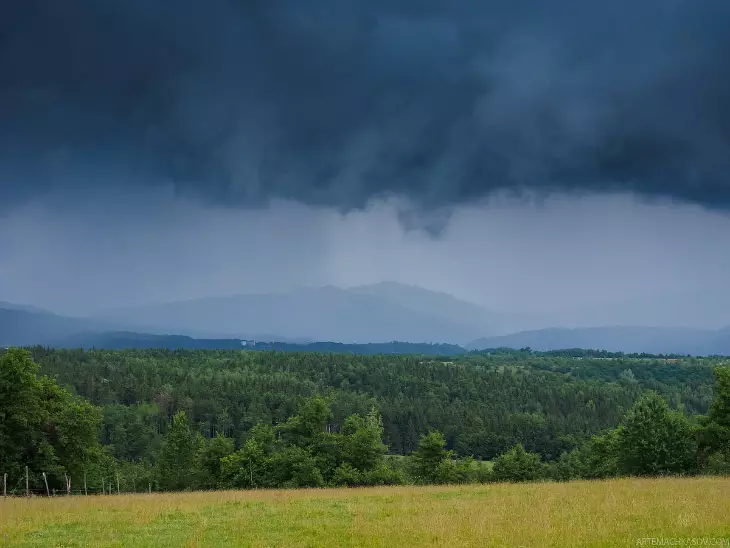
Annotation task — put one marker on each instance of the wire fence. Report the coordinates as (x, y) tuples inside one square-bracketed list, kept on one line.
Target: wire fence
[(111, 487)]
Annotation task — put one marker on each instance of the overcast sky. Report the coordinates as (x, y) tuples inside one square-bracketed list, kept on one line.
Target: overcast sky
[(562, 253), (152, 152)]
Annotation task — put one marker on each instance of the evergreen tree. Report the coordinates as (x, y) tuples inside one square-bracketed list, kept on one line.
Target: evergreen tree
[(176, 459)]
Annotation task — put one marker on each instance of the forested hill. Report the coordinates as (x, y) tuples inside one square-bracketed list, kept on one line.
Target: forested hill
[(395, 347), (483, 404), (679, 340), (121, 340)]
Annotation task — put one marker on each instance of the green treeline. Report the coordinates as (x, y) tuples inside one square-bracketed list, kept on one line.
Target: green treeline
[(241, 419), (482, 404)]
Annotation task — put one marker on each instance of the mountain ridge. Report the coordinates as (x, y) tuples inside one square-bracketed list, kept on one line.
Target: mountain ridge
[(373, 313), (627, 339), (376, 313)]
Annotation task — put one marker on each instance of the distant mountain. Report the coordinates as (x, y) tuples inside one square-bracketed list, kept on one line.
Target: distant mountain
[(21, 327), (616, 339), (120, 340), (470, 316), (25, 325), (28, 326), (377, 313), (24, 307), (707, 308)]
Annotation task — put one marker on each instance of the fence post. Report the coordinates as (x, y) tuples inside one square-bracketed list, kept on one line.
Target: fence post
[(68, 485), (117, 484), (85, 491), (45, 479), (27, 491), (5, 484)]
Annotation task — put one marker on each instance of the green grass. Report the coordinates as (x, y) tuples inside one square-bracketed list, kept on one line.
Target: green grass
[(611, 513)]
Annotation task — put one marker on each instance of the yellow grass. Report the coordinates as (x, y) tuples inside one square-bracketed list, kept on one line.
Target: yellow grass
[(621, 512)]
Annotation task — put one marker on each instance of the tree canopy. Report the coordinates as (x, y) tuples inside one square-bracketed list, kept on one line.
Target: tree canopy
[(175, 420)]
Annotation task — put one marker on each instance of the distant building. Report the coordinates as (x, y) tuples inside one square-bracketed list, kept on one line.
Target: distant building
[(248, 343)]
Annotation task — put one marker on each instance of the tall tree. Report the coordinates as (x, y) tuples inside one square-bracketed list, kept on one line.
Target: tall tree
[(176, 460), (209, 460), (22, 412), (719, 411), (363, 451), (42, 425), (251, 466), (714, 436)]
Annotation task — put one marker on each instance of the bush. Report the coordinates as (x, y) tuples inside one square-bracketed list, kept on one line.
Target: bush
[(431, 462), (346, 474), (718, 464), (655, 440), (517, 465)]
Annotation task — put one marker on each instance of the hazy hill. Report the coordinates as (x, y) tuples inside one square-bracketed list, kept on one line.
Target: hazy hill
[(377, 313), (616, 339), (469, 315), (4, 305), (21, 325), (120, 340), (27, 326), (707, 308)]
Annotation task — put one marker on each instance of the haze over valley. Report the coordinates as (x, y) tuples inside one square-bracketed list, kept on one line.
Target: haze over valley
[(378, 313)]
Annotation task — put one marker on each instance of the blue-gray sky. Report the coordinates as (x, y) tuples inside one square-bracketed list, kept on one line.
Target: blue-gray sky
[(567, 260), (154, 150)]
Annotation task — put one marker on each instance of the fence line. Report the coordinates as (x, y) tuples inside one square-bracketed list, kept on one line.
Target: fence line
[(106, 488)]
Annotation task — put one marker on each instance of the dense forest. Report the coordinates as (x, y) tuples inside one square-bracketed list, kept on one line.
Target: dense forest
[(482, 404), (181, 419), (122, 340)]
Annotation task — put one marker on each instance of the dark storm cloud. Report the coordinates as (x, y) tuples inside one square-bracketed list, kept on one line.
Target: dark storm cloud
[(335, 102)]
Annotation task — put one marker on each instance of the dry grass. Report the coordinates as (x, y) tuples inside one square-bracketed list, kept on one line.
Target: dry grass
[(610, 513)]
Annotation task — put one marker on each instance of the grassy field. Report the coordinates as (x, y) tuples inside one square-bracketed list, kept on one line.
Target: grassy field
[(625, 512)]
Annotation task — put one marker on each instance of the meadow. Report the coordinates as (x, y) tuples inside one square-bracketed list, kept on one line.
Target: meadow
[(619, 512)]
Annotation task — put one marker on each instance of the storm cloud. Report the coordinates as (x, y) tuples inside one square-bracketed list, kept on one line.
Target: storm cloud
[(337, 103)]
